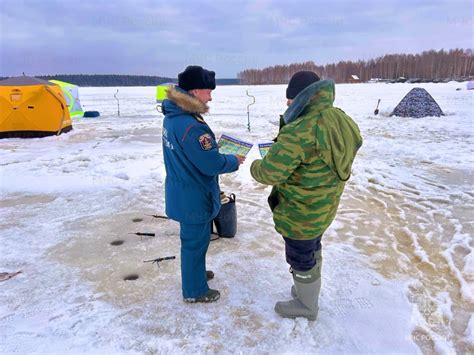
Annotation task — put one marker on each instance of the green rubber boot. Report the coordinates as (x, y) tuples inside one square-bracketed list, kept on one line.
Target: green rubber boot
[(306, 303), (305, 293), (319, 259)]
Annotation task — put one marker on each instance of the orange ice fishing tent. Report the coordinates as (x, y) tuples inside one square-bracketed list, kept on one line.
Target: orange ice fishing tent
[(31, 107)]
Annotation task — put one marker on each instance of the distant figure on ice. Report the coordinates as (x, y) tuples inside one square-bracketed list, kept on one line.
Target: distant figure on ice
[(193, 163), (308, 166)]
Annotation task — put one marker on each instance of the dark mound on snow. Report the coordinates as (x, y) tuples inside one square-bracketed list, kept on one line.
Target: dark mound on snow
[(417, 103)]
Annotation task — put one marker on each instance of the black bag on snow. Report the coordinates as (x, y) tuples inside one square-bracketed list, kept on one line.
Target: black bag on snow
[(226, 220)]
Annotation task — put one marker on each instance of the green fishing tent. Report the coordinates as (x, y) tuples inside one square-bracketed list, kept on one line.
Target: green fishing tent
[(162, 91), (71, 92)]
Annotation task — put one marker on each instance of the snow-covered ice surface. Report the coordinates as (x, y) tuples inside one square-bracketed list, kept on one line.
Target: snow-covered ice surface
[(398, 269)]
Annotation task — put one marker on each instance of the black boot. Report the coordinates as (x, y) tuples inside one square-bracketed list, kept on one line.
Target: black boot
[(210, 296)]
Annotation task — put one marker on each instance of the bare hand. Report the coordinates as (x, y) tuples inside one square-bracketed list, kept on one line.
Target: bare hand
[(240, 158)]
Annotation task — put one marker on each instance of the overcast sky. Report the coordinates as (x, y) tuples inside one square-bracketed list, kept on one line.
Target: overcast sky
[(154, 37)]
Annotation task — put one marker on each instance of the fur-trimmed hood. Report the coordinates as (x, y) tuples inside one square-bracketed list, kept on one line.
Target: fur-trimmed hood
[(179, 100)]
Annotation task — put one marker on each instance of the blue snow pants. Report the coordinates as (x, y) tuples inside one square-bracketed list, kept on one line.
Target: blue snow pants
[(195, 239), (300, 254)]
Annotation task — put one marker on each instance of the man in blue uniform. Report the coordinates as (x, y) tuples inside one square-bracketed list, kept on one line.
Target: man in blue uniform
[(193, 163)]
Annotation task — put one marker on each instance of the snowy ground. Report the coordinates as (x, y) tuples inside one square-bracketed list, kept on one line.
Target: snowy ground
[(398, 270)]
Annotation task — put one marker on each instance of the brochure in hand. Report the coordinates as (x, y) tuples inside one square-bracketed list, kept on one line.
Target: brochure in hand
[(264, 148), (230, 145)]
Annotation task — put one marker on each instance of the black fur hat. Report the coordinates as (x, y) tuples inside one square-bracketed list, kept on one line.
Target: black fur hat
[(196, 77), (299, 81)]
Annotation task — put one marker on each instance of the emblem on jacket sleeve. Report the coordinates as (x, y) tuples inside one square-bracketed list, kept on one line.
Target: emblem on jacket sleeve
[(205, 141)]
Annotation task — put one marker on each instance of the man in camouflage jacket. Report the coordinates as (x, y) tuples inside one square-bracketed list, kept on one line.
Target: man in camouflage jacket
[(307, 166)]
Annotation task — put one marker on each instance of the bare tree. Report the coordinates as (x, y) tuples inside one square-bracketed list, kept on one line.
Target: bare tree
[(453, 64)]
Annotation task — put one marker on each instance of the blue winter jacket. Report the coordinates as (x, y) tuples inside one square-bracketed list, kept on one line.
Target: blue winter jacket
[(192, 160)]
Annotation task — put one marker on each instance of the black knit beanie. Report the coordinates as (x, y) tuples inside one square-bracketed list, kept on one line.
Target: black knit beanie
[(299, 81), (196, 77)]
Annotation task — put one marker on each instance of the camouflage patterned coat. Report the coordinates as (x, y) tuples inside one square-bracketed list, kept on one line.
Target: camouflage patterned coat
[(309, 163)]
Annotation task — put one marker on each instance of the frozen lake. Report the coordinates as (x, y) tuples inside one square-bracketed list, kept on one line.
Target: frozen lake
[(398, 271)]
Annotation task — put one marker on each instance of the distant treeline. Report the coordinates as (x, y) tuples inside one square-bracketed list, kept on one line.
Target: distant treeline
[(119, 80), (454, 64)]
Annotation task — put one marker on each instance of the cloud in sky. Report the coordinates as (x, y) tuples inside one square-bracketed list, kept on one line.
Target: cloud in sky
[(154, 37)]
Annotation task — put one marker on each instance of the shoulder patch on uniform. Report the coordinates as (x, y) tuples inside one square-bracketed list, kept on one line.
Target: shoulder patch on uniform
[(205, 141)]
